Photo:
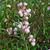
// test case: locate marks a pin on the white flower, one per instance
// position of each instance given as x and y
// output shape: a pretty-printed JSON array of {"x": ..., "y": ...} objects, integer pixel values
[
  {"x": 20, "y": 4},
  {"x": 27, "y": 30},
  {"x": 25, "y": 3},
  {"x": 9, "y": 30},
  {"x": 20, "y": 13},
  {"x": 28, "y": 10},
  {"x": 9, "y": 6},
  {"x": 5, "y": 20},
  {"x": 30, "y": 39},
  {"x": 15, "y": 29},
  {"x": 30, "y": 36},
  {"x": 33, "y": 43},
  {"x": 26, "y": 18},
  {"x": 19, "y": 25}
]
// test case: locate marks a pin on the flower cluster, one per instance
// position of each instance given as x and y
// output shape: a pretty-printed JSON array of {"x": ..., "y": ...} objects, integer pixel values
[
  {"x": 32, "y": 40},
  {"x": 11, "y": 31},
  {"x": 23, "y": 11},
  {"x": 26, "y": 27}
]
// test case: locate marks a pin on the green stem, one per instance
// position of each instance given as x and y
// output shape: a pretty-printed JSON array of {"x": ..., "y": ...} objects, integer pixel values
[{"x": 23, "y": 37}]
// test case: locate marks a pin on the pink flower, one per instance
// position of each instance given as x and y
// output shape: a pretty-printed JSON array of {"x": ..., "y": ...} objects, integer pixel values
[
  {"x": 48, "y": 49},
  {"x": 26, "y": 23},
  {"x": 27, "y": 30},
  {"x": 33, "y": 40},
  {"x": 48, "y": 8},
  {"x": 25, "y": 13},
  {"x": 23, "y": 27}
]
